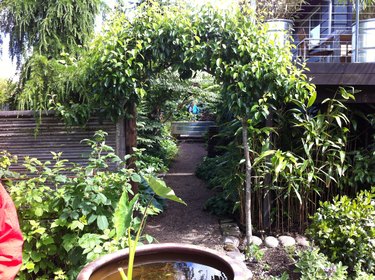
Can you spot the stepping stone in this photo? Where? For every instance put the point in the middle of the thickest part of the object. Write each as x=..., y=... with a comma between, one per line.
x=287, y=241
x=271, y=242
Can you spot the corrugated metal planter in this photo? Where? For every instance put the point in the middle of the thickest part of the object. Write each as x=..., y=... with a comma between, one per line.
x=106, y=268
x=279, y=30
x=366, y=44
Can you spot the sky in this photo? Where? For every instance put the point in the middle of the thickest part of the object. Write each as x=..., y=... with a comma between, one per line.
x=8, y=68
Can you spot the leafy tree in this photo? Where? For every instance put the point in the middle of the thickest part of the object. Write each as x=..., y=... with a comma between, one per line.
x=47, y=27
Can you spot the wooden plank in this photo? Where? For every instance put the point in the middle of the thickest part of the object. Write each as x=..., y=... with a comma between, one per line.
x=353, y=74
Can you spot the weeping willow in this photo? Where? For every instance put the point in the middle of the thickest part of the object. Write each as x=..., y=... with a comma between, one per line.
x=47, y=27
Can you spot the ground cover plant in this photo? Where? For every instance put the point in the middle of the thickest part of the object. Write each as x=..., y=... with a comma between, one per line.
x=66, y=210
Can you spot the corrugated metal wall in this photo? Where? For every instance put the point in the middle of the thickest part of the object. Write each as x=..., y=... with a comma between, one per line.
x=19, y=137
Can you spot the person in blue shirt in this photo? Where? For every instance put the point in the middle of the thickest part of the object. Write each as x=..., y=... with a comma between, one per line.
x=194, y=110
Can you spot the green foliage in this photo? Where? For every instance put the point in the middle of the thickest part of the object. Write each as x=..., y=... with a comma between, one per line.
x=169, y=95
x=47, y=27
x=362, y=275
x=66, y=210
x=344, y=230
x=7, y=91
x=124, y=220
x=155, y=139
x=256, y=252
x=224, y=174
x=313, y=265
x=55, y=84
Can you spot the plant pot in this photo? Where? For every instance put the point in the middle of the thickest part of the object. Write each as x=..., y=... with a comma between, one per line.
x=105, y=268
x=366, y=42
x=279, y=30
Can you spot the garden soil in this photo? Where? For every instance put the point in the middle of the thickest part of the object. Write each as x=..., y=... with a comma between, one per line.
x=187, y=224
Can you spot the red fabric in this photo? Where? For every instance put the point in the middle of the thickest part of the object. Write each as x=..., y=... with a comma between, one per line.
x=10, y=238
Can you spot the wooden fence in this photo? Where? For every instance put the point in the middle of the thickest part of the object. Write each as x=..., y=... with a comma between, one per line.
x=20, y=135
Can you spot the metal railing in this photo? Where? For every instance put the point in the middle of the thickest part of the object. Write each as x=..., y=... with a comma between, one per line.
x=331, y=32
x=337, y=48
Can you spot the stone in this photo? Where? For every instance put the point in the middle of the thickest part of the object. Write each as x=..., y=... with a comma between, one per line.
x=231, y=243
x=256, y=240
x=271, y=242
x=302, y=241
x=287, y=241
x=236, y=255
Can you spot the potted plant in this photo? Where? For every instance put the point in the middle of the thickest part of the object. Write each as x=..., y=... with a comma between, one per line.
x=166, y=261
x=157, y=261
x=279, y=15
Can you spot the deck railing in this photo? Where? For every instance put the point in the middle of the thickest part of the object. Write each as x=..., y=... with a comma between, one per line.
x=329, y=33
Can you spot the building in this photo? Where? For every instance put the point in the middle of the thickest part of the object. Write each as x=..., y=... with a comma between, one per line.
x=325, y=34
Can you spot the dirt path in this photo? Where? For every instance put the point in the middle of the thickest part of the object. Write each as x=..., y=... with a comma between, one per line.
x=187, y=224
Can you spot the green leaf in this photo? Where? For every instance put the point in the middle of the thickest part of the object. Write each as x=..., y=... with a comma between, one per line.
x=161, y=189
x=92, y=219
x=39, y=212
x=102, y=222
x=123, y=214
x=136, y=178
x=262, y=156
x=30, y=265
x=89, y=241
x=36, y=256
x=312, y=99
x=77, y=224
x=69, y=241
x=218, y=62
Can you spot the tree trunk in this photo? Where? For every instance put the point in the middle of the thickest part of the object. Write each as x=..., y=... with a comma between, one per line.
x=131, y=129
x=131, y=138
x=249, y=233
x=266, y=205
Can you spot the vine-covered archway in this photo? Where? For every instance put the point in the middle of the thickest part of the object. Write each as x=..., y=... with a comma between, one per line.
x=231, y=45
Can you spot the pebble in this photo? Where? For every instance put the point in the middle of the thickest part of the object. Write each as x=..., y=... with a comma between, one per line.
x=256, y=240
x=271, y=242
x=302, y=241
x=287, y=241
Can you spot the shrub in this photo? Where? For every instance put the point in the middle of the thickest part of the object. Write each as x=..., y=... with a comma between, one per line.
x=344, y=230
x=314, y=265
x=224, y=174
x=67, y=220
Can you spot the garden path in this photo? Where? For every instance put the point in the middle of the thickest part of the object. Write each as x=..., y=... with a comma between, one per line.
x=187, y=224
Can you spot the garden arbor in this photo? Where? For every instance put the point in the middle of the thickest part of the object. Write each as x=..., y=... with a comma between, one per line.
x=233, y=46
